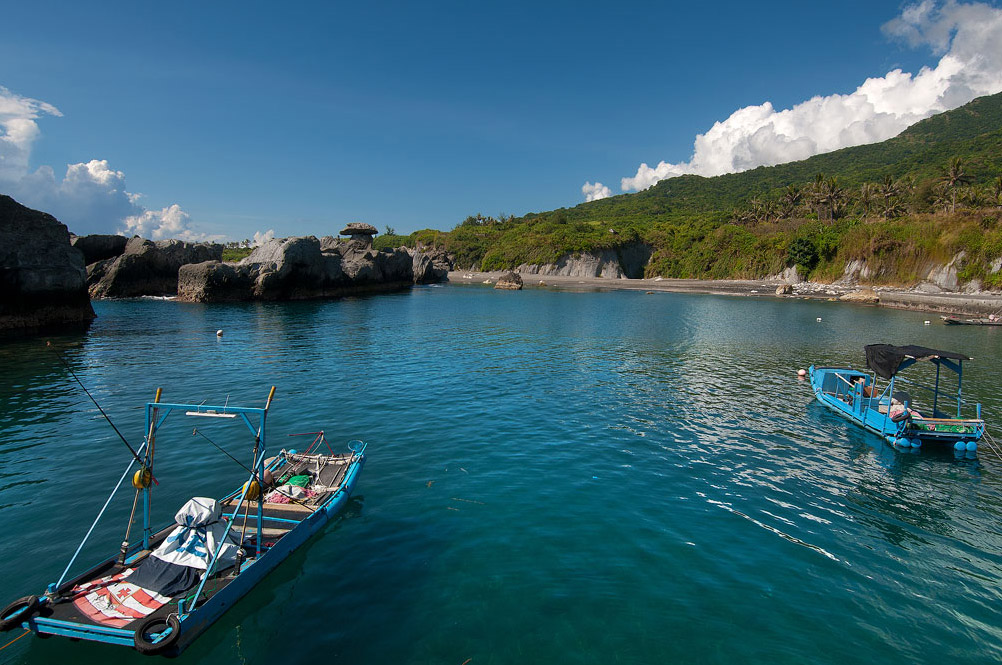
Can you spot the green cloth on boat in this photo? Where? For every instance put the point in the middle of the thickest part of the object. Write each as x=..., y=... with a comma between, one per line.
x=298, y=481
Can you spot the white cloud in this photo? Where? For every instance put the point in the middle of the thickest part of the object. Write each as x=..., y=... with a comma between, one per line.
x=261, y=238
x=91, y=197
x=170, y=222
x=595, y=192
x=18, y=130
x=967, y=36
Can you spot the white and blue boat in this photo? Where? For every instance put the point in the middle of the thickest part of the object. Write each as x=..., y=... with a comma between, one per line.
x=890, y=411
x=162, y=591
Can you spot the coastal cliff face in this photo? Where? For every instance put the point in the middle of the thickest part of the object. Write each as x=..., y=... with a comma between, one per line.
x=627, y=262
x=147, y=268
x=306, y=268
x=99, y=247
x=42, y=277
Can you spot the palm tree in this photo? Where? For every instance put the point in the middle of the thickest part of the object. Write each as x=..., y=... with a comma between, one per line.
x=940, y=197
x=818, y=196
x=789, y=201
x=890, y=190
x=995, y=191
x=972, y=197
x=953, y=177
x=838, y=199
x=868, y=198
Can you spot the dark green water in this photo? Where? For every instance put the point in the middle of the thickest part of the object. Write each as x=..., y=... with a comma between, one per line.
x=553, y=477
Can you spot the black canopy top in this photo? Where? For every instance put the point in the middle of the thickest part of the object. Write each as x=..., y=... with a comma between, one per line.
x=885, y=359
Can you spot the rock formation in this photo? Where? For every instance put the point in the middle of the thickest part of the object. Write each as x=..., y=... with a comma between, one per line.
x=431, y=266
x=304, y=268
x=625, y=262
x=42, y=277
x=867, y=296
x=510, y=281
x=147, y=268
x=360, y=235
x=99, y=247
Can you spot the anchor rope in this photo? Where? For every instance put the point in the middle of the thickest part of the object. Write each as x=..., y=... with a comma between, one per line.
x=15, y=640
x=993, y=445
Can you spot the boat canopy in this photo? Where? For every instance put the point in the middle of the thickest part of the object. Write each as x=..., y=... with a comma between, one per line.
x=886, y=359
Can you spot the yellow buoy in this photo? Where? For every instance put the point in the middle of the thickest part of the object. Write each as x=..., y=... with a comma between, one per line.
x=252, y=489
x=141, y=478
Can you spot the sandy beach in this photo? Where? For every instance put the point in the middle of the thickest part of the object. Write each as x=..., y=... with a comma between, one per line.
x=943, y=302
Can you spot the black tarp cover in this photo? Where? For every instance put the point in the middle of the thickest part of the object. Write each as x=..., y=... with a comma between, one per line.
x=167, y=579
x=884, y=359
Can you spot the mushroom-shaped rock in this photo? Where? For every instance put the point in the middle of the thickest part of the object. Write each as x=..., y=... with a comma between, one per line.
x=361, y=234
x=510, y=281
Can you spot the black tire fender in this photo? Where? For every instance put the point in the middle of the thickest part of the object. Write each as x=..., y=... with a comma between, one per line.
x=143, y=641
x=18, y=611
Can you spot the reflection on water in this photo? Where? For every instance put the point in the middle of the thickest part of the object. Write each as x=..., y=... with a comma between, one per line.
x=584, y=477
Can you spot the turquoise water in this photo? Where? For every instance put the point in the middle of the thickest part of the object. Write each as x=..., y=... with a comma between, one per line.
x=553, y=477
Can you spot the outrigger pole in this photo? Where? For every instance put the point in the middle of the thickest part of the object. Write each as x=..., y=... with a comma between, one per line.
x=141, y=479
x=135, y=455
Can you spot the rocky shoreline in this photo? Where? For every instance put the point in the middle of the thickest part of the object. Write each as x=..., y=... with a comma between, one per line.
x=916, y=299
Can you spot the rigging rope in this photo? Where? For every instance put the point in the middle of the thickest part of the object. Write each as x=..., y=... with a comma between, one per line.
x=244, y=467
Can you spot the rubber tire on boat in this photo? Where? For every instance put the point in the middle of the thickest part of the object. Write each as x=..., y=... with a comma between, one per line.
x=18, y=611
x=902, y=415
x=142, y=643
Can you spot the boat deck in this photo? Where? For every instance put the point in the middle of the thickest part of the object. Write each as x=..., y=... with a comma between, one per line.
x=278, y=519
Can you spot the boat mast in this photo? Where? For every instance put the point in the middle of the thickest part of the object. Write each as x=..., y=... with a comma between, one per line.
x=935, y=393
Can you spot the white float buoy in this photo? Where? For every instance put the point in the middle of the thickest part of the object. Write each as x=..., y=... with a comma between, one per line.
x=819, y=319
x=219, y=333
x=928, y=323
x=801, y=373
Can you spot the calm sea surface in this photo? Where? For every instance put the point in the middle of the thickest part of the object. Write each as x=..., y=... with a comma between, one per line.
x=553, y=477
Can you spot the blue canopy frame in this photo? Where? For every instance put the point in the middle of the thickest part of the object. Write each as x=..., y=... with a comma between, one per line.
x=156, y=415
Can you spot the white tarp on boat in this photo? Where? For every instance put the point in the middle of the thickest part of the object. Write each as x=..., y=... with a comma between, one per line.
x=197, y=536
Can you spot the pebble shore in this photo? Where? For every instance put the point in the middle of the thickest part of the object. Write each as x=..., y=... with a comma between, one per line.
x=925, y=298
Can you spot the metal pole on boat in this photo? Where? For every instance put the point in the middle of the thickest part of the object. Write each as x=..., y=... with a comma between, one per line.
x=935, y=393
x=960, y=381
x=887, y=415
x=151, y=415
x=259, y=472
x=141, y=483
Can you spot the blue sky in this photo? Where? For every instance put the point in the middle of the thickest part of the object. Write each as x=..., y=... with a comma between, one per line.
x=248, y=117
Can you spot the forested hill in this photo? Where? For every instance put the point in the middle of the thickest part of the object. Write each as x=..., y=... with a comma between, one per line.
x=923, y=196
x=973, y=131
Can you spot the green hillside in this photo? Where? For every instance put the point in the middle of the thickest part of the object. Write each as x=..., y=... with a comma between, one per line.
x=893, y=204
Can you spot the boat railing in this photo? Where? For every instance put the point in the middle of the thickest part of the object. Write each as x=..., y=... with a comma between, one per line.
x=940, y=396
x=840, y=386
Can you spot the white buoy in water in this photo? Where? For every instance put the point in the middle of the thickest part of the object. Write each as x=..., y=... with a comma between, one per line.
x=928, y=323
x=801, y=373
x=219, y=333
x=819, y=319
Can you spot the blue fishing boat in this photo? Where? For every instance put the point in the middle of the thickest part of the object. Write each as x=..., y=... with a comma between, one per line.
x=162, y=591
x=891, y=412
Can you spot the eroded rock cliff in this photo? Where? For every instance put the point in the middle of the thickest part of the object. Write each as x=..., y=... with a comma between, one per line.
x=302, y=268
x=42, y=277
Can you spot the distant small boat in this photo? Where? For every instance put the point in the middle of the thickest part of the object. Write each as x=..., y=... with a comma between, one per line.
x=161, y=592
x=892, y=414
x=957, y=321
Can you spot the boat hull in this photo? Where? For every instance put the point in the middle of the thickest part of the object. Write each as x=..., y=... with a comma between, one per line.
x=836, y=388
x=203, y=616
